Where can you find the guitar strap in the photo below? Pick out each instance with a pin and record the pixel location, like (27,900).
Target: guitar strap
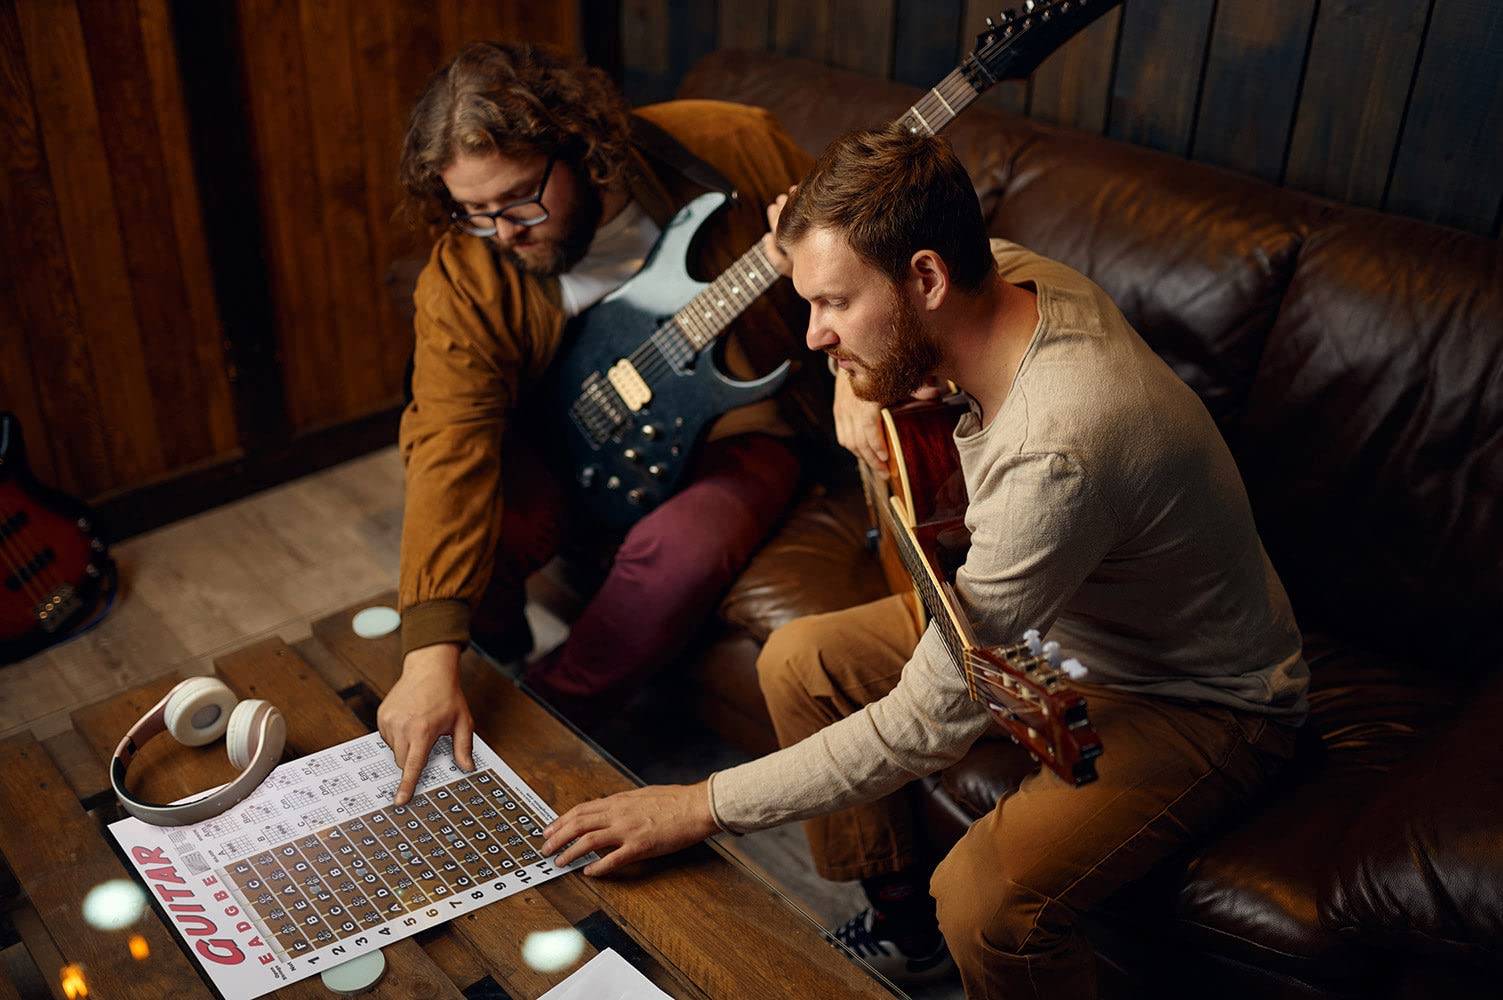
(655,142)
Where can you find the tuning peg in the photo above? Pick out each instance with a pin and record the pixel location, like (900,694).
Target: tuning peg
(1073,669)
(1028,6)
(1052,653)
(1034,642)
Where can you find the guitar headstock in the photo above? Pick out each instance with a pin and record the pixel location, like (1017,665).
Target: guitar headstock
(1017,40)
(1027,689)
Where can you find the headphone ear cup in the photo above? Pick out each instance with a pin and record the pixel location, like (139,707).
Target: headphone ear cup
(198,710)
(241,740)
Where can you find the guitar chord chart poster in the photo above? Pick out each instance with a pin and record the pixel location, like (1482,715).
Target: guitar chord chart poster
(316,866)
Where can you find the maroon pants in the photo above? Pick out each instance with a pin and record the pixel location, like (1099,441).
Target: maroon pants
(668,575)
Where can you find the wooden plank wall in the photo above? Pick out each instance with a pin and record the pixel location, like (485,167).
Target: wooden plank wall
(196,208)
(109,344)
(1390,104)
(329,85)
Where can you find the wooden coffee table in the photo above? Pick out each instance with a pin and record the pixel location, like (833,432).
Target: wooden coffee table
(698,924)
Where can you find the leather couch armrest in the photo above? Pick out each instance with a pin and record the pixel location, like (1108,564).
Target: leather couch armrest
(1422,866)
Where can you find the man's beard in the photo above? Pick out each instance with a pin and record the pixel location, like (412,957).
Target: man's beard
(579,231)
(909,358)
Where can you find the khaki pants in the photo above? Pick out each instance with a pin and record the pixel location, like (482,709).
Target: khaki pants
(1008,893)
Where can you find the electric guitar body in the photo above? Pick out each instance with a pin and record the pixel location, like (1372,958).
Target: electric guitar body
(633,426)
(54,564)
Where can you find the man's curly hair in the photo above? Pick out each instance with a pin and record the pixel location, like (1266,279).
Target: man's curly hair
(511,98)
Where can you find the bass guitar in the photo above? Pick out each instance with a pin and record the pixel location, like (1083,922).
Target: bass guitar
(636,385)
(1026,686)
(53,562)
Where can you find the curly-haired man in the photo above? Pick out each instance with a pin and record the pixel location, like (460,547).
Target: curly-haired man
(550,194)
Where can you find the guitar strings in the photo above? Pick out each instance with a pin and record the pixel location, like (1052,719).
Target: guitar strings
(40,585)
(687,326)
(35,587)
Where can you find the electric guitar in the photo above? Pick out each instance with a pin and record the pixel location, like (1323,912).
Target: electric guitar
(1025,686)
(635,386)
(54,565)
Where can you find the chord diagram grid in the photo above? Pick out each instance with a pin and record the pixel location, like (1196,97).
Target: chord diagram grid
(473,837)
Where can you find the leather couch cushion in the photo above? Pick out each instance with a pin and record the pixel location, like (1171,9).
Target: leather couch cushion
(1252,894)
(1373,444)
(1196,258)
(1422,866)
(727,696)
(817,561)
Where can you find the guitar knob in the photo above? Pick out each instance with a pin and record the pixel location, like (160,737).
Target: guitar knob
(650,431)
(587,476)
(1051,653)
(631,455)
(613,483)
(656,471)
(1034,642)
(635,498)
(1073,669)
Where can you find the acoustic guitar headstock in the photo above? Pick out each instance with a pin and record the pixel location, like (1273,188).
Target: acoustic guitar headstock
(1027,689)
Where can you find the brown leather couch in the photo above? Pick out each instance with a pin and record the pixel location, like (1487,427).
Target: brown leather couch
(1354,361)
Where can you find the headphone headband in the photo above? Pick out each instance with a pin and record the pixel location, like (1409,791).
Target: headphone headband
(196,711)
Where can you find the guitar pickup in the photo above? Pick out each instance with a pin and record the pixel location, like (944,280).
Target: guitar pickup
(629,384)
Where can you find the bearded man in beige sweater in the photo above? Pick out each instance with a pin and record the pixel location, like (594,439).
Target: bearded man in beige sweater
(1105,510)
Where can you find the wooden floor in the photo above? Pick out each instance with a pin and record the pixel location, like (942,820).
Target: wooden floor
(268,565)
(273,564)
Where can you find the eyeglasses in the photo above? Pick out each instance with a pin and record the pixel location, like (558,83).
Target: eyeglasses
(523,212)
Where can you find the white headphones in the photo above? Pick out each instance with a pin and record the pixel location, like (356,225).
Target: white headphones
(195,712)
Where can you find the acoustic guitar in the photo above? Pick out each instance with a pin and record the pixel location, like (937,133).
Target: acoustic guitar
(54,563)
(636,385)
(1026,686)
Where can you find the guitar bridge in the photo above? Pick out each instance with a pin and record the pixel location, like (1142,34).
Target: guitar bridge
(57,608)
(599,411)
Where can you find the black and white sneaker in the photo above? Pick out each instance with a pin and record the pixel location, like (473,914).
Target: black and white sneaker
(863,936)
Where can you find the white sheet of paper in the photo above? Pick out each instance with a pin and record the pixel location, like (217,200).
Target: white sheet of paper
(607,976)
